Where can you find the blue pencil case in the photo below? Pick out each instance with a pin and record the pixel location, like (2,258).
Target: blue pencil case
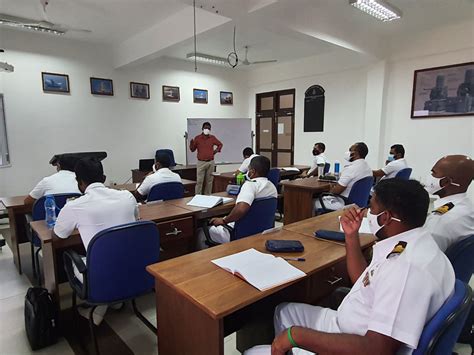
(330,235)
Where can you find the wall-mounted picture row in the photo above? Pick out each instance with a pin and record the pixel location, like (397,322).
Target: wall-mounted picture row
(59,83)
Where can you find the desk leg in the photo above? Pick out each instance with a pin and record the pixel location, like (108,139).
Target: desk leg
(50,272)
(13,240)
(183,327)
(298,204)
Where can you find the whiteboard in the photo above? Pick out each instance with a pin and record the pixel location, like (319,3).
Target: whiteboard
(234,133)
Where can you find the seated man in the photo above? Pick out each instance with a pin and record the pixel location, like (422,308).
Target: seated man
(257,187)
(453,217)
(100,208)
(392,299)
(356,169)
(318,159)
(395,162)
(62,182)
(161,175)
(248,156)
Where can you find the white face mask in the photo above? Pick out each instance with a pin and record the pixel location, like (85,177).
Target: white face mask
(391,157)
(206,131)
(154,168)
(347,156)
(247,176)
(373,220)
(433,184)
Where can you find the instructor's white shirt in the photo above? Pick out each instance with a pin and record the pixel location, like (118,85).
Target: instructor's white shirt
(62,182)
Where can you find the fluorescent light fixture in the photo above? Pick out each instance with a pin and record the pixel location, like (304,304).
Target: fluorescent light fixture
(206,58)
(379,9)
(36,28)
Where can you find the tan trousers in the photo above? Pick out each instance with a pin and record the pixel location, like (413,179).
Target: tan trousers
(204,177)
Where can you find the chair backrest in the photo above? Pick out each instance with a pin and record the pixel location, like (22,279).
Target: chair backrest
(360,191)
(166,191)
(440,334)
(404,174)
(116,262)
(327,167)
(38,211)
(260,216)
(170,154)
(274,176)
(461,256)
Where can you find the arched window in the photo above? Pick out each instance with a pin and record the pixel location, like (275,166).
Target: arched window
(314,109)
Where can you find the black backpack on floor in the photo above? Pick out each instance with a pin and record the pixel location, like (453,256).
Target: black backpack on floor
(40,318)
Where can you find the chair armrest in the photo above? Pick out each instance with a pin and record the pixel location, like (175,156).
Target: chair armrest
(320,198)
(71,259)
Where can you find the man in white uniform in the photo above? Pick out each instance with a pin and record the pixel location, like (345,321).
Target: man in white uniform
(392,299)
(161,175)
(62,182)
(100,208)
(453,217)
(318,159)
(395,162)
(356,169)
(248,156)
(257,187)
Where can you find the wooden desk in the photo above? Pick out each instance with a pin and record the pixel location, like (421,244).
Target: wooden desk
(298,198)
(16,215)
(189,187)
(185,171)
(202,212)
(198,303)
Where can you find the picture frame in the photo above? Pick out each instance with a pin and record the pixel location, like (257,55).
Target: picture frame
(170,93)
(55,83)
(200,96)
(444,91)
(227,98)
(102,87)
(139,90)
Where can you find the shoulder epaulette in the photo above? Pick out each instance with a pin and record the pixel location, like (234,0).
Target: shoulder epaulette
(445,208)
(398,249)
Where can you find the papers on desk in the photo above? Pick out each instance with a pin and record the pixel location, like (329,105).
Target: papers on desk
(262,271)
(364,227)
(291,169)
(208,201)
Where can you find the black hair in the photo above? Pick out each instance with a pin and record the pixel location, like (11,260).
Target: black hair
(163,158)
(322,146)
(261,165)
(247,152)
(405,198)
(399,149)
(362,149)
(89,170)
(206,124)
(67,162)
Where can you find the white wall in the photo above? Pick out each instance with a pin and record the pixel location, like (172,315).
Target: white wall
(40,125)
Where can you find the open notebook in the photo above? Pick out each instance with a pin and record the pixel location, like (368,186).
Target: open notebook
(262,271)
(208,201)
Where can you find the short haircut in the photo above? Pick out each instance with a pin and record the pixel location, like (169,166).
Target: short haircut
(206,124)
(405,198)
(247,152)
(399,149)
(89,170)
(67,162)
(163,158)
(362,149)
(321,145)
(261,165)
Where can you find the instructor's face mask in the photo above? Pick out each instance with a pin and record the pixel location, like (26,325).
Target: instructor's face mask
(373,220)
(433,184)
(206,131)
(347,156)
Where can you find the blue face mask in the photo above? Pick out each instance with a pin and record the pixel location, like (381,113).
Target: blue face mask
(391,157)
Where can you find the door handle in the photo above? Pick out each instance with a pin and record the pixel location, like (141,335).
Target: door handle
(174,232)
(335,280)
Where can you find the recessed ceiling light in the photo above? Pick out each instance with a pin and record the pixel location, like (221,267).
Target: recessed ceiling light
(379,9)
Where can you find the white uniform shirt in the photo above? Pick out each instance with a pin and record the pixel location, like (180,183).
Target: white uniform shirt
(392,168)
(319,159)
(100,208)
(159,177)
(244,167)
(259,187)
(397,295)
(356,170)
(455,224)
(62,182)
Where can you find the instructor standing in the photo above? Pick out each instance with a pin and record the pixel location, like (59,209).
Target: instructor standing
(207,145)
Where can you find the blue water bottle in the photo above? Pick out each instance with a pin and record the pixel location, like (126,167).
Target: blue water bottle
(336,169)
(50,211)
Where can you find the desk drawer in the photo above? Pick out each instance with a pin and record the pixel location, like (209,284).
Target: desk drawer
(176,237)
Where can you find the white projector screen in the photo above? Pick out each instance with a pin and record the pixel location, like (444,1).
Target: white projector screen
(234,133)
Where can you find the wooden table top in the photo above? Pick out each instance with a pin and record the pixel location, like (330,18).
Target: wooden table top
(231,174)
(308,184)
(218,292)
(182,203)
(14,201)
(133,187)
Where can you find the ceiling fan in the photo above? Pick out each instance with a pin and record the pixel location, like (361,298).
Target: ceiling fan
(246,61)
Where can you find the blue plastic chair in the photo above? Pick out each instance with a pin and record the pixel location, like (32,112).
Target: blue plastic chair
(166,191)
(441,333)
(115,270)
(359,194)
(274,176)
(38,214)
(461,256)
(404,174)
(327,167)
(170,154)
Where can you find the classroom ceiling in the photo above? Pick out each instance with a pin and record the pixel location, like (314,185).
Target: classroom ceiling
(140,30)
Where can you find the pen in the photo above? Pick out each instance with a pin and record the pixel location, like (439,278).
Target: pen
(295,259)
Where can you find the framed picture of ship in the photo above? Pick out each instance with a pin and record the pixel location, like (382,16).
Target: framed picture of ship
(443,91)
(100,86)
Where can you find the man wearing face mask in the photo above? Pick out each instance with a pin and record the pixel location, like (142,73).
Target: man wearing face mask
(453,217)
(395,162)
(356,169)
(407,269)
(257,186)
(319,159)
(207,146)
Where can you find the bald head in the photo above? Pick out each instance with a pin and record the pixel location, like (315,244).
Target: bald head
(457,169)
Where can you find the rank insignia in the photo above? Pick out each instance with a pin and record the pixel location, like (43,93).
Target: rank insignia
(366,279)
(443,209)
(398,249)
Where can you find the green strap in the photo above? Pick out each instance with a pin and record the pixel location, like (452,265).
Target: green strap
(290,338)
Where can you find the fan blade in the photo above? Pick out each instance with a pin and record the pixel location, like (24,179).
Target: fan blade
(264,61)
(66,29)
